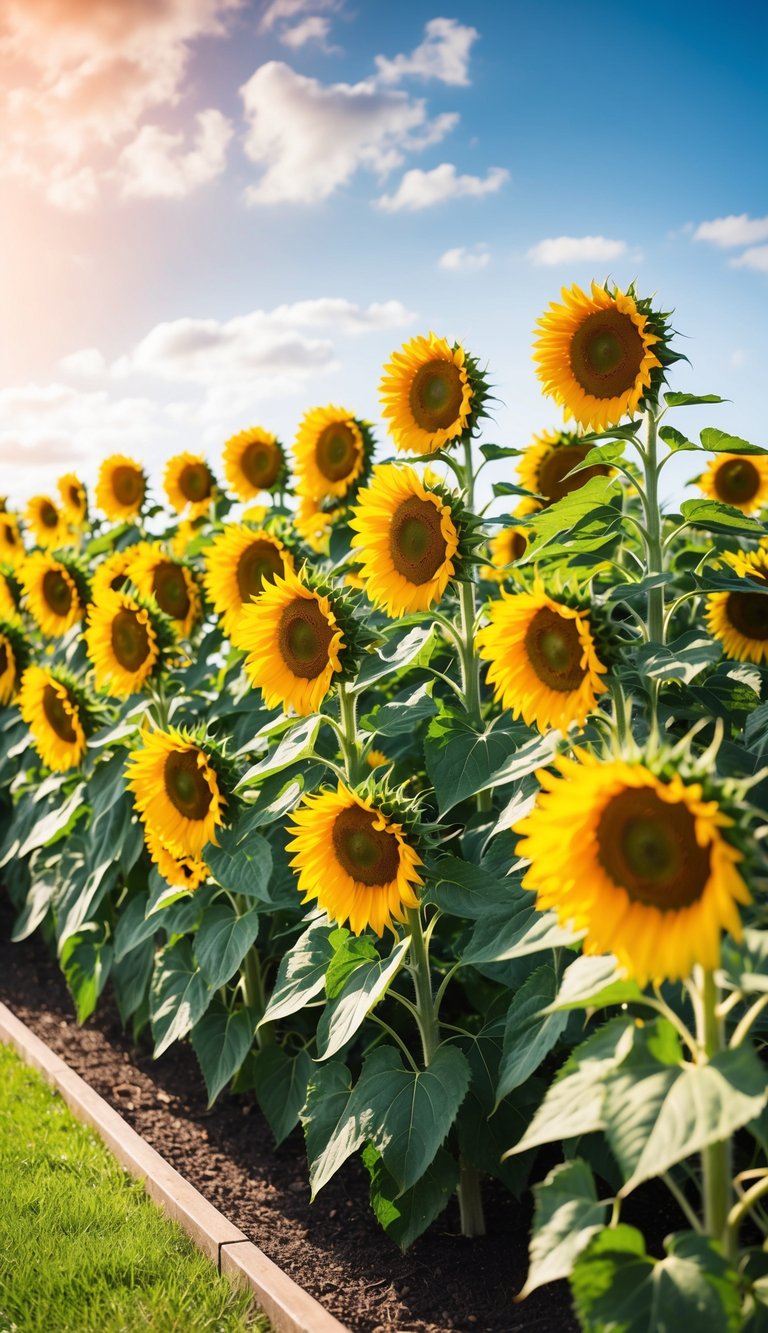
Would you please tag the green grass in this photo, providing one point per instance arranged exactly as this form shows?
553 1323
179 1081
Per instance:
82 1248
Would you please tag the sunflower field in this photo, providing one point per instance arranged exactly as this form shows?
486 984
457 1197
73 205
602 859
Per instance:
439 829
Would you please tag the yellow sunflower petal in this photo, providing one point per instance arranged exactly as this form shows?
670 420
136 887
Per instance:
189 484
52 715
51 593
121 488
293 642
426 395
253 462
738 480
122 644
177 792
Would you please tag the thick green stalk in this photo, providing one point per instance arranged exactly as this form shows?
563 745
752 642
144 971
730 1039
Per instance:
353 761
716 1159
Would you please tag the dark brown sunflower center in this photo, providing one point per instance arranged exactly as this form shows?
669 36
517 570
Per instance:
170 590
49 516
75 496
737 481
516 542
259 564
57 592
185 784
130 640
606 353
57 716
261 463
648 847
128 485
337 451
4 660
748 613
436 395
417 546
555 651
304 636
10 535
195 482
553 481
368 854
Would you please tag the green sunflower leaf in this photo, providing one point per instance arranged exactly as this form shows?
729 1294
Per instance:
716 517
531 1029
222 941
301 974
281 1087
222 1039
404 1215
719 442
179 995
366 985
567 1215
691 399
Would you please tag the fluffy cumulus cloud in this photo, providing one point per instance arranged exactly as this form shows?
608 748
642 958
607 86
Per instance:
423 189
734 230
465 259
78 76
279 12
756 258
311 29
444 54
156 165
310 138
576 249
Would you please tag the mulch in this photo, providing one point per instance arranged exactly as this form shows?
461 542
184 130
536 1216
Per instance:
333 1247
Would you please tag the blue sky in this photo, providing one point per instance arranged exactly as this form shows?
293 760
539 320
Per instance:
220 213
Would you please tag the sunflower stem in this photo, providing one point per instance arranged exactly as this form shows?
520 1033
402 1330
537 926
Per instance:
348 736
716 1158
418 966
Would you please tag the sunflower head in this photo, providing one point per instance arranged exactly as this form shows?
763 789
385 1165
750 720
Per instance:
543 663
410 539
509 543
14 659
254 462
170 582
180 872
354 859
739 619
112 573
740 480
55 590
52 707
296 640
647 868
73 498
189 484
240 563
127 641
332 451
432 394
11 544
10 595
544 466
178 791
602 356
48 522
121 488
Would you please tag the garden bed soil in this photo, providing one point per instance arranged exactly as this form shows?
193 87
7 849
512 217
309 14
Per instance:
333 1247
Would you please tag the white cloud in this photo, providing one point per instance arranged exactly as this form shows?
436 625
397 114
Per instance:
423 189
755 258
312 29
89 361
737 229
311 138
78 76
465 259
576 249
156 166
280 10
444 55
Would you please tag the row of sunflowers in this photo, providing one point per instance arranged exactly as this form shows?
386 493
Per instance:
437 828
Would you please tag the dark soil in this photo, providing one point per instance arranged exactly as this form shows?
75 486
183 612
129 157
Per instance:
332 1247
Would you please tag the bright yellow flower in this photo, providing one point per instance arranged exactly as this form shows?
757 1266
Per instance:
644 868
545 465
173 586
544 666
8 609
189 484
181 872
738 480
9 672
52 596
354 860
330 452
73 498
406 540
121 488
111 574
48 522
240 563
122 644
176 791
11 544
740 619
50 711
294 644
253 462
426 394
594 355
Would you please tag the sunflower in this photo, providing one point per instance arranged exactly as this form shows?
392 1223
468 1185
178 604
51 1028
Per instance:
545 465
312 524
189 484
112 573
50 710
181 872
240 564
52 594
122 643
176 791
8 607
406 537
740 619
544 666
254 462
73 498
9 669
510 544
331 452
294 644
170 582
428 395
354 860
595 355
48 522
737 480
121 487
11 546
644 869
